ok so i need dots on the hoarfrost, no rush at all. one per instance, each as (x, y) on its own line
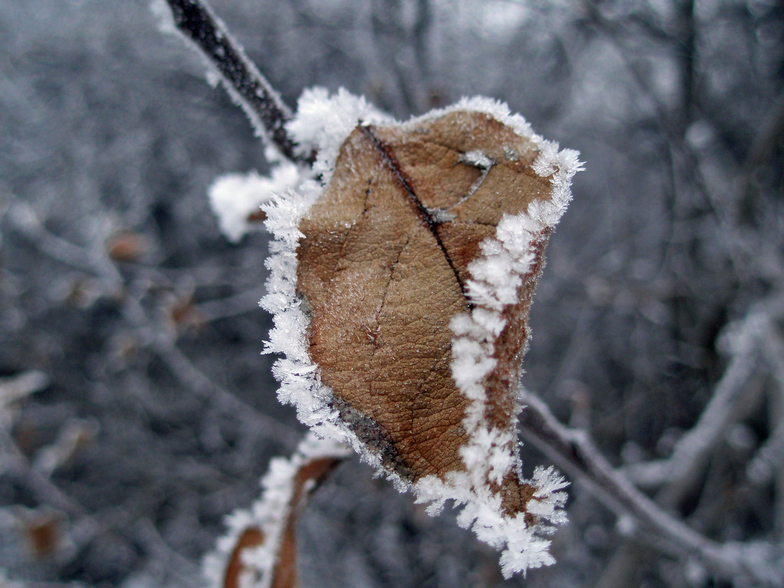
(488, 455)
(236, 197)
(269, 515)
(163, 17)
(322, 124)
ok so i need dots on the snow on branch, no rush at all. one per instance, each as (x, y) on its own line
(242, 79)
(18, 387)
(744, 342)
(236, 199)
(769, 458)
(760, 564)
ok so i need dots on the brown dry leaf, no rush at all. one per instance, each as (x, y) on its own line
(43, 534)
(250, 537)
(383, 276)
(128, 247)
(308, 478)
(415, 273)
(184, 315)
(263, 547)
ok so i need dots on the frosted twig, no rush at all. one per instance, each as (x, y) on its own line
(40, 485)
(260, 548)
(242, 79)
(770, 456)
(574, 451)
(773, 350)
(20, 386)
(230, 306)
(694, 447)
(179, 566)
(92, 261)
(762, 147)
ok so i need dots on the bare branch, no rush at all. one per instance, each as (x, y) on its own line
(769, 458)
(693, 449)
(200, 385)
(242, 79)
(19, 386)
(575, 452)
(769, 131)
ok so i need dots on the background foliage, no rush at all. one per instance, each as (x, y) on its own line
(158, 415)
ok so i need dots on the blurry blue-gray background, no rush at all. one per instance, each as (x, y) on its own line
(130, 325)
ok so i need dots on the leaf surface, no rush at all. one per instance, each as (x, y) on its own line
(406, 317)
(383, 276)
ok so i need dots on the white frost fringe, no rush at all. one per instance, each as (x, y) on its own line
(235, 197)
(269, 514)
(496, 277)
(322, 123)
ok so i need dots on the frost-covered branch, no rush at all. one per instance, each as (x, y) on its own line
(574, 451)
(200, 385)
(91, 259)
(762, 148)
(15, 388)
(749, 341)
(694, 447)
(39, 484)
(769, 457)
(242, 79)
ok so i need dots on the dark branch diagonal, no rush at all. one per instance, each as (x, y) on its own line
(260, 101)
(421, 210)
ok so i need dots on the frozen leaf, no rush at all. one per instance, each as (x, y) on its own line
(260, 549)
(43, 534)
(46, 534)
(406, 319)
(250, 537)
(184, 315)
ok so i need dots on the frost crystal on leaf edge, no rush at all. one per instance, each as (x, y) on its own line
(235, 197)
(322, 123)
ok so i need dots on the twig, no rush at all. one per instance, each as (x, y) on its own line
(230, 306)
(40, 486)
(574, 451)
(768, 462)
(695, 446)
(770, 129)
(202, 386)
(261, 542)
(20, 386)
(179, 566)
(768, 458)
(242, 79)
(91, 261)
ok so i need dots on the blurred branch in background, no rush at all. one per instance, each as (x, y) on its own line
(675, 477)
(242, 79)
